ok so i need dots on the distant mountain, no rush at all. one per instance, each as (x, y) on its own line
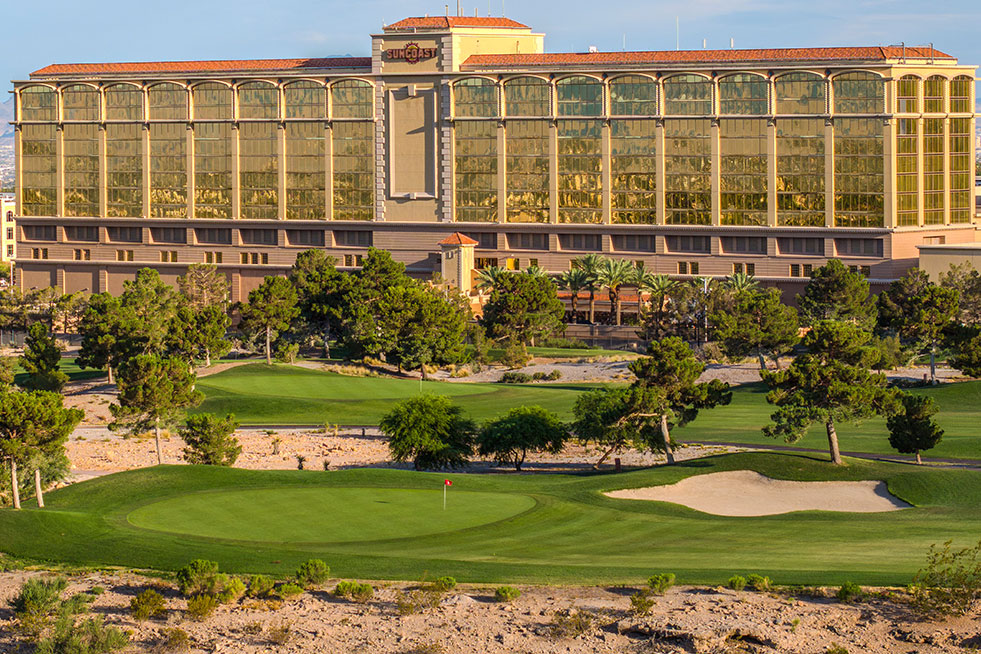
(6, 113)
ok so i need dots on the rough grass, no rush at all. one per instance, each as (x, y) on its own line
(572, 534)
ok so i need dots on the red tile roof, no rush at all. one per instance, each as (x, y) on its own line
(446, 22)
(187, 67)
(458, 239)
(774, 55)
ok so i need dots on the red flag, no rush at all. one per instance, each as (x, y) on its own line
(447, 483)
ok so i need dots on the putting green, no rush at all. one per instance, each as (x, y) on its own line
(326, 515)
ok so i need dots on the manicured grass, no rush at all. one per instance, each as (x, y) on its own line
(551, 528)
(282, 394)
(70, 368)
(562, 353)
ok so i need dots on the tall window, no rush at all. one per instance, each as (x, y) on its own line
(124, 170)
(743, 161)
(743, 94)
(354, 170)
(687, 172)
(633, 171)
(859, 93)
(39, 169)
(351, 99)
(859, 181)
(907, 184)
(81, 102)
(907, 94)
(167, 102)
(38, 103)
(527, 96)
(933, 171)
(212, 101)
(633, 95)
(687, 95)
(960, 94)
(800, 172)
(305, 181)
(476, 170)
(259, 170)
(212, 170)
(933, 95)
(579, 96)
(168, 170)
(258, 100)
(305, 100)
(475, 98)
(800, 93)
(580, 171)
(527, 166)
(124, 102)
(81, 169)
(961, 170)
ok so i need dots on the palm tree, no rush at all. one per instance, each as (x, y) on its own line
(574, 280)
(660, 288)
(487, 278)
(637, 280)
(613, 274)
(741, 283)
(535, 271)
(591, 264)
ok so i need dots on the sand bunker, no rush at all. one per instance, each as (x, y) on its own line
(748, 493)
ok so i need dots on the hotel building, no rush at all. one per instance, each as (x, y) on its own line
(702, 162)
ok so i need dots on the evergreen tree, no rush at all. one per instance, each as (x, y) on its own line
(912, 429)
(424, 325)
(204, 286)
(106, 327)
(522, 308)
(152, 305)
(836, 293)
(321, 291)
(270, 309)
(964, 279)
(42, 361)
(429, 431)
(199, 333)
(759, 323)
(521, 430)
(209, 441)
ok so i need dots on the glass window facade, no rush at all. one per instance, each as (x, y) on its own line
(527, 171)
(743, 171)
(124, 102)
(305, 100)
(579, 96)
(124, 170)
(580, 171)
(38, 103)
(258, 100)
(39, 170)
(633, 95)
(933, 95)
(687, 95)
(81, 170)
(351, 98)
(907, 172)
(859, 93)
(259, 170)
(81, 102)
(633, 168)
(743, 95)
(527, 96)
(800, 93)
(800, 172)
(933, 171)
(168, 170)
(305, 175)
(212, 101)
(475, 98)
(212, 170)
(960, 94)
(687, 172)
(167, 102)
(475, 160)
(907, 94)
(354, 170)
(859, 182)
(961, 170)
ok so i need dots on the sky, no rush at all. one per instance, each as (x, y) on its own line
(62, 31)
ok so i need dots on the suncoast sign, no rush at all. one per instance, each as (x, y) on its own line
(410, 53)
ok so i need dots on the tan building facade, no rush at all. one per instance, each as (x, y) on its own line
(8, 229)
(692, 162)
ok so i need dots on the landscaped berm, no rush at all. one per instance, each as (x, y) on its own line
(389, 524)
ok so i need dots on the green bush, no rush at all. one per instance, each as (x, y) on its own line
(836, 649)
(641, 603)
(289, 591)
(660, 583)
(515, 355)
(514, 378)
(199, 577)
(312, 574)
(260, 586)
(90, 636)
(209, 440)
(567, 343)
(554, 375)
(146, 605)
(280, 634)
(570, 623)
(539, 376)
(949, 583)
(506, 593)
(444, 584)
(200, 607)
(849, 592)
(758, 582)
(354, 591)
(736, 582)
(174, 640)
(36, 602)
(232, 591)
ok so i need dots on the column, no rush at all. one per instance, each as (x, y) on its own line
(659, 176)
(716, 173)
(146, 170)
(60, 170)
(947, 166)
(18, 172)
(103, 174)
(829, 173)
(236, 180)
(328, 172)
(502, 173)
(607, 173)
(889, 172)
(189, 166)
(281, 181)
(920, 142)
(771, 172)
(553, 172)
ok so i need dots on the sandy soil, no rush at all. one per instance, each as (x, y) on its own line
(468, 621)
(748, 493)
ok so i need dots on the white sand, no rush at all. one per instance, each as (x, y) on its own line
(748, 493)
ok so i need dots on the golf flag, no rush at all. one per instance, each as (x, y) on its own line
(447, 483)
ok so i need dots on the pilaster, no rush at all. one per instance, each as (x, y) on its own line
(714, 137)
(771, 172)
(606, 172)
(829, 172)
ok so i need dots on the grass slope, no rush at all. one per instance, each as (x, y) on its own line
(572, 534)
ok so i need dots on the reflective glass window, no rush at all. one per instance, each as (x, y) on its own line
(633, 168)
(800, 93)
(168, 170)
(167, 102)
(580, 171)
(743, 94)
(81, 144)
(933, 94)
(800, 172)
(527, 96)
(305, 100)
(124, 102)
(579, 96)
(961, 170)
(258, 100)
(907, 172)
(859, 93)
(475, 170)
(527, 166)
(743, 174)
(259, 170)
(859, 183)
(354, 170)
(212, 170)
(687, 95)
(351, 98)
(212, 101)
(907, 94)
(933, 171)
(305, 175)
(81, 102)
(960, 94)
(39, 170)
(124, 170)
(38, 103)
(475, 98)
(633, 95)
(688, 172)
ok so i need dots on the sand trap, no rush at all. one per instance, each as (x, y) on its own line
(748, 493)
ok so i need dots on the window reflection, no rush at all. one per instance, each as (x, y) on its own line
(475, 98)
(527, 166)
(212, 101)
(580, 171)
(800, 93)
(907, 93)
(305, 175)
(527, 96)
(167, 102)
(907, 168)
(212, 170)
(859, 183)
(579, 96)
(354, 170)
(688, 172)
(351, 99)
(687, 95)
(743, 171)
(39, 167)
(258, 100)
(305, 100)
(81, 102)
(933, 171)
(859, 93)
(961, 170)
(124, 102)
(124, 170)
(800, 172)
(633, 95)
(633, 171)
(259, 170)
(38, 103)
(743, 94)
(168, 170)
(476, 171)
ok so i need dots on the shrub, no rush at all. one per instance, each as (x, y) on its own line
(736, 582)
(514, 378)
(174, 640)
(281, 633)
(506, 594)
(444, 584)
(209, 441)
(570, 623)
(758, 582)
(233, 591)
(949, 583)
(567, 343)
(95, 591)
(849, 591)
(312, 574)
(35, 603)
(430, 431)
(555, 374)
(198, 577)
(641, 603)
(287, 352)
(836, 649)
(515, 355)
(289, 591)
(417, 600)
(90, 636)
(200, 607)
(429, 647)
(354, 591)
(539, 376)
(260, 586)
(146, 605)
(660, 583)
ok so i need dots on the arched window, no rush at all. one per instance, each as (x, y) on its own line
(81, 102)
(859, 93)
(167, 102)
(475, 98)
(305, 99)
(933, 94)
(258, 100)
(38, 103)
(124, 102)
(907, 94)
(579, 96)
(800, 93)
(526, 96)
(960, 94)
(212, 101)
(633, 95)
(351, 98)
(743, 94)
(687, 95)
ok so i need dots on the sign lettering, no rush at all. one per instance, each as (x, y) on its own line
(411, 53)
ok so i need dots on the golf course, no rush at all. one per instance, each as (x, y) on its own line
(390, 524)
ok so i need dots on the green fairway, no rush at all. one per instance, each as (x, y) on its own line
(388, 524)
(282, 394)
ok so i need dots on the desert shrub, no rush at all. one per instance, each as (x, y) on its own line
(280, 634)
(539, 376)
(836, 649)
(233, 591)
(260, 586)
(736, 582)
(555, 374)
(641, 603)
(200, 607)
(570, 623)
(312, 573)
(289, 591)
(95, 591)
(407, 603)
(444, 584)
(36, 602)
(660, 583)
(354, 591)
(428, 647)
(514, 378)
(173, 640)
(758, 582)
(515, 355)
(209, 440)
(506, 593)
(287, 352)
(198, 577)
(146, 605)
(90, 636)
(949, 583)
(253, 628)
(849, 591)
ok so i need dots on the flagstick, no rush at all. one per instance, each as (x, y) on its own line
(444, 496)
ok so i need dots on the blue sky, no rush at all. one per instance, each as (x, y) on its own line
(60, 31)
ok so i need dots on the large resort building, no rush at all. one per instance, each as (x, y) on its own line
(702, 162)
